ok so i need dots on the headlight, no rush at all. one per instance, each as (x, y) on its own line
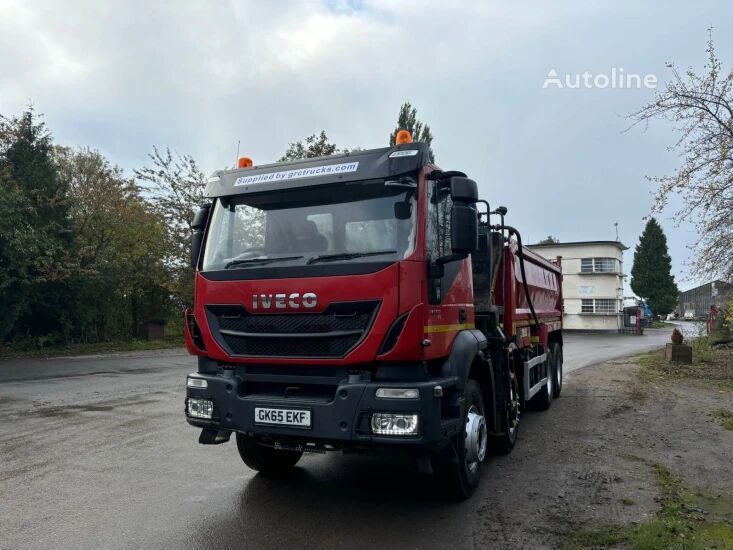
(199, 408)
(395, 424)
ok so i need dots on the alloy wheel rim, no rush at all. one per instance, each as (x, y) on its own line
(476, 441)
(513, 412)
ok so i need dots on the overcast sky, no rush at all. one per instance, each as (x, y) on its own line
(199, 76)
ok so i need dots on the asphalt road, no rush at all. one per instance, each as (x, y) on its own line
(95, 453)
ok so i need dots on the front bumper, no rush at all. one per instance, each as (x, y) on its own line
(340, 412)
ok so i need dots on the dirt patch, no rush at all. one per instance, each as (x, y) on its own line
(103, 406)
(630, 459)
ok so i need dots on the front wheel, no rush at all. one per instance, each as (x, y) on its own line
(459, 468)
(266, 459)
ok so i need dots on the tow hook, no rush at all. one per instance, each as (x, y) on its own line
(214, 437)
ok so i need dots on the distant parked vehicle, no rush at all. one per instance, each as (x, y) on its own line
(647, 315)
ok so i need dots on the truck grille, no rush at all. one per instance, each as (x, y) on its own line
(332, 333)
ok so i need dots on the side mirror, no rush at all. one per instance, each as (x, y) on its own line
(463, 190)
(402, 210)
(464, 228)
(200, 218)
(198, 225)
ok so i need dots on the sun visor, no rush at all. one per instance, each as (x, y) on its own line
(354, 166)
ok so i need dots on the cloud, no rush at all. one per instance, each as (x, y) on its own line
(201, 76)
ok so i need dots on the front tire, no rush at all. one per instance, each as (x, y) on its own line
(459, 468)
(266, 459)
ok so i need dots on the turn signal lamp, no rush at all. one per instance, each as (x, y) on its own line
(244, 162)
(403, 136)
(196, 383)
(398, 393)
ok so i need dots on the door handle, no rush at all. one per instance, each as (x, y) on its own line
(462, 315)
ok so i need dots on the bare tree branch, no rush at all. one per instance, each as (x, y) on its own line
(700, 107)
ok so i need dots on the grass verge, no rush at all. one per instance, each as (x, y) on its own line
(686, 521)
(90, 349)
(707, 364)
(725, 417)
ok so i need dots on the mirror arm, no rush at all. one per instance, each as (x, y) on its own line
(488, 209)
(435, 270)
(399, 185)
(450, 258)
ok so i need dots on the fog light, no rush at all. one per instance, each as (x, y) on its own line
(395, 424)
(398, 393)
(199, 408)
(196, 383)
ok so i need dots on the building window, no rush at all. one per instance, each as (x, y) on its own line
(605, 306)
(598, 265)
(599, 305)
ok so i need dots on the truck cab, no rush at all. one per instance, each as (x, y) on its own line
(334, 309)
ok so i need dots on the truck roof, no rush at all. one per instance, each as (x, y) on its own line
(359, 165)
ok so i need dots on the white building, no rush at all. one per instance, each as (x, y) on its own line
(593, 282)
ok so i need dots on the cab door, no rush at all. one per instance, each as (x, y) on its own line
(450, 288)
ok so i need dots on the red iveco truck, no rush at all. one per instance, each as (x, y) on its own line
(368, 301)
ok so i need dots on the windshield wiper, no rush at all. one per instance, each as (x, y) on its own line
(346, 256)
(259, 261)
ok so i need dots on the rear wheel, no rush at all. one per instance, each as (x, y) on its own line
(511, 405)
(459, 468)
(266, 459)
(557, 368)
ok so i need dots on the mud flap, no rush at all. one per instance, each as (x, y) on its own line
(534, 382)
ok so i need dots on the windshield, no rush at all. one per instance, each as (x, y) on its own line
(358, 221)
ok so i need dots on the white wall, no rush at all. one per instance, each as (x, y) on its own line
(577, 286)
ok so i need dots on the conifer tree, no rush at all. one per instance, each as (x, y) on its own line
(651, 274)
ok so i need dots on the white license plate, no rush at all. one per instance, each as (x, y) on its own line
(283, 417)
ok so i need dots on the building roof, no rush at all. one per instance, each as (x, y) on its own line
(618, 244)
(718, 282)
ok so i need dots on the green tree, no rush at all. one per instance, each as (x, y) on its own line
(407, 120)
(651, 274)
(549, 240)
(120, 280)
(311, 147)
(176, 188)
(36, 242)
